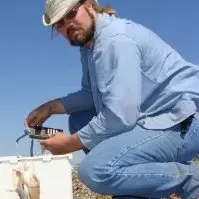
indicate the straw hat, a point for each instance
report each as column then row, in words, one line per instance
column 56, row 9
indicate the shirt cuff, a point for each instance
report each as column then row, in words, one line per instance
column 66, row 103
column 86, row 138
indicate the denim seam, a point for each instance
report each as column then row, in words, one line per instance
column 191, row 134
column 185, row 141
column 146, row 174
column 157, row 174
column 194, row 195
column 195, row 178
column 121, row 154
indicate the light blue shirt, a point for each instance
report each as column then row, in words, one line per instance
column 132, row 77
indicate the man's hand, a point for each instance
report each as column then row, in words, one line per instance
column 43, row 112
column 38, row 116
column 61, row 144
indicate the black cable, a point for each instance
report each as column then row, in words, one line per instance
column 32, row 147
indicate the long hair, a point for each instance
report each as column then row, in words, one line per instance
column 106, row 9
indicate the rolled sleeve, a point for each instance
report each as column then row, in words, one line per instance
column 77, row 101
column 121, row 95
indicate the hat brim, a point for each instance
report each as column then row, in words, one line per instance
column 65, row 8
column 47, row 22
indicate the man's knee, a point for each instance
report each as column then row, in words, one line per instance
column 96, row 174
column 72, row 123
column 75, row 122
column 79, row 119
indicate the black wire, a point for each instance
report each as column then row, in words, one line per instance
column 24, row 135
column 32, row 142
column 31, row 147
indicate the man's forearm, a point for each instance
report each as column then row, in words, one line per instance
column 74, row 144
column 57, row 107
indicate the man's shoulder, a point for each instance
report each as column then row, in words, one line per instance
column 120, row 26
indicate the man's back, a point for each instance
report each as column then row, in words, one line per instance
column 168, row 84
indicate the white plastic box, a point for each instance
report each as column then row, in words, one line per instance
column 53, row 172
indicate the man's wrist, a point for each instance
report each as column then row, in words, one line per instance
column 74, row 143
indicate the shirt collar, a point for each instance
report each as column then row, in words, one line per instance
column 102, row 20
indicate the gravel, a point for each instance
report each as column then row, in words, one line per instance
column 80, row 191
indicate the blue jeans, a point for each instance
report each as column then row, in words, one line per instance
column 142, row 162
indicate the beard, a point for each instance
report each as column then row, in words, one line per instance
column 83, row 36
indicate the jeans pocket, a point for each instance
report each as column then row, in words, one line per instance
column 189, row 147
